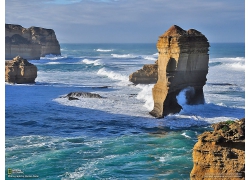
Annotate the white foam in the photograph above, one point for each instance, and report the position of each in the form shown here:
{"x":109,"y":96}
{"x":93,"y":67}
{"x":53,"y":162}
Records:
{"x":95,"y":62}
{"x":52,"y":57}
{"x":53,"y":63}
{"x":146,"y":95}
{"x":123,"y":56}
{"x":104,"y":50}
{"x":185,"y":135}
{"x":113,"y":75}
{"x":150,"y":58}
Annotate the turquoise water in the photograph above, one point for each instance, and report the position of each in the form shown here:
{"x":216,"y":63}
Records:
{"x":49,"y":137}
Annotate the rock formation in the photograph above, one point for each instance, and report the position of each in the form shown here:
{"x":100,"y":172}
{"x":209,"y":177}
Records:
{"x":30,"y":43}
{"x":220,"y":154}
{"x":20,"y":71}
{"x":182,"y":63}
{"x":147,"y":75}
{"x":77,"y":95}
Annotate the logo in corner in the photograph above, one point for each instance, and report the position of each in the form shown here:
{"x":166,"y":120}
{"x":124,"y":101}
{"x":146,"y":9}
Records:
{"x":9,"y":171}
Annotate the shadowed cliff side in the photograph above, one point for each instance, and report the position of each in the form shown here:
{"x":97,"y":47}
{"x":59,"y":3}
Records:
{"x":182,"y":63}
{"x":30,"y":43}
{"x":220,"y":154}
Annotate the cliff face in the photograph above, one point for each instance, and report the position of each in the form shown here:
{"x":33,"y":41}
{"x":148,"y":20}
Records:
{"x":30,"y":43}
{"x":182,"y":62}
{"x":220,"y":154}
{"x":20,"y":71}
{"x":147,"y":75}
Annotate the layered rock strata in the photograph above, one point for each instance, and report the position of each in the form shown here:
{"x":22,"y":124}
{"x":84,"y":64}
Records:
{"x":220,"y":154}
{"x":147,"y":75}
{"x":182,"y":63}
{"x":20,"y":71}
{"x":30,"y":43}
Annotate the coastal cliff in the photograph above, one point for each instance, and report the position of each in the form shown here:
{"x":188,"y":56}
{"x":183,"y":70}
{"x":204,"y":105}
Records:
{"x":220,"y":154}
{"x":182,"y":63}
{"x":20,"y":71}
{"x":30,"y":43}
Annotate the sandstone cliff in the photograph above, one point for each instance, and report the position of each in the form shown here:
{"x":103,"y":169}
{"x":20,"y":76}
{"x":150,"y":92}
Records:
{"x":182,"y":62}
{"x":220,"y":154}
{"x":147,"y":75}
{"x":20,"y":71}
{"x":30,"y":43}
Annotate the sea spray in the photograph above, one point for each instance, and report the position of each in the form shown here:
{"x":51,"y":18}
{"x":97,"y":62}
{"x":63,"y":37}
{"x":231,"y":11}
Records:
{"x":146,"y":95}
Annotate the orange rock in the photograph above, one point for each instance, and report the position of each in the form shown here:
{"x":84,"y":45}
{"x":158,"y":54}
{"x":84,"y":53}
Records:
{"x":220,"y":154}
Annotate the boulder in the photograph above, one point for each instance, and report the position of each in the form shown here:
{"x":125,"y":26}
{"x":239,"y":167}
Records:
{"x":30,"y":43}
{"x":20,"y":71}
{"x":220,"y":154}
{"x":182,"y":63}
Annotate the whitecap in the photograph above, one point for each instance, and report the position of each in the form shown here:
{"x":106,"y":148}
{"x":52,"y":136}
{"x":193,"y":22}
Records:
{"x":95,"y":62}
{"x":123,"y":56}
{"x":113,"y":75}
{"x":104,"y":50}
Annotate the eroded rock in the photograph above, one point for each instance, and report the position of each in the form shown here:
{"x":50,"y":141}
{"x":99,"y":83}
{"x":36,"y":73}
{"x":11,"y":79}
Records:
{"x":20,"y":71}
{"x":30,"y":43}
{"x":182,"y":63}
{"x":147,"y":75}
{"x":77,"y":95}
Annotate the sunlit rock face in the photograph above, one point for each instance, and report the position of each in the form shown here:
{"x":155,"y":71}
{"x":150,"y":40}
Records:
{"x":220,"y":154}
{"x":20,"y":71}
{"x":182,"y":63}
{"x":30,"y":43}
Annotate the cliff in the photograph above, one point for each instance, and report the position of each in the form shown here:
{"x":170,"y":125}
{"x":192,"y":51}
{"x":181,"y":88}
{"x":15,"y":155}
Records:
{"x":20,"y":71}
{"x":30,"y":43}
{"x":220,"y":154}
{"x":182,"y":63}
{"x":147,"y":75}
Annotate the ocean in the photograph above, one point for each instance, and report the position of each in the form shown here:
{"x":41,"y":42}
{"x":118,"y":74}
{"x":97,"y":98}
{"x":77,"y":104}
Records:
{"x":49,"y":137}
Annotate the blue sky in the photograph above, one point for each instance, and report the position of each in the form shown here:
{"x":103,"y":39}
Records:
{"x":111,"y":21}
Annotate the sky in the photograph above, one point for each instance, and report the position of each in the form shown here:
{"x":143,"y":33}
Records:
{"x":129,"y":21}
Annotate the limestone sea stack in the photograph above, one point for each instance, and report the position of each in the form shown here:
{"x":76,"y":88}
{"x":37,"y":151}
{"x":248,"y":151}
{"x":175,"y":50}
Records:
{"x":20,"y":71}
{"x":30,"y":43}
{"x":220,"y":154}
{"x":182,"y":63}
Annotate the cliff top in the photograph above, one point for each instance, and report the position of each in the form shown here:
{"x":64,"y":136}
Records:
{"x":178,"y":31}
{"x":228,"y":131}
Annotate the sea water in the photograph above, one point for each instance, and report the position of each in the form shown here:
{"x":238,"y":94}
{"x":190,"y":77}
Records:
{"x":50,"y":137}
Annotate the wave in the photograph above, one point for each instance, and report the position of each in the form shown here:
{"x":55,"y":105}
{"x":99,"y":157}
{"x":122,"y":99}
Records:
{"x":113,"y":75}
{"x":104,"y":50}
{"x":53,"y":63}
{"x":150,"y":58}
{"x":236,"y":66}
{"x":124,"y":56}
{"x":52,"y":57}
{"x":95,"y":62}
